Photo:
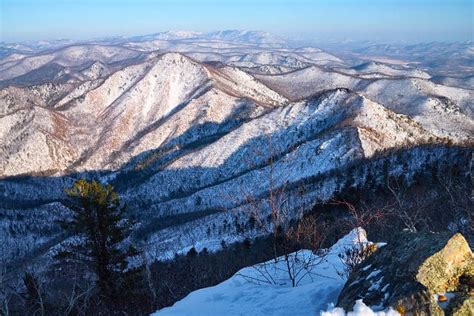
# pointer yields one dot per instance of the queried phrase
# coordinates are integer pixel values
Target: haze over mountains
(185, 123)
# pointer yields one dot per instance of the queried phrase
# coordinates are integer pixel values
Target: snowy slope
(340, 120)
(133, 110)
(389, 70)
(246, 293)
(444, 111)
(268, 58)
(451, 59)
(461, 82)
(69, 56)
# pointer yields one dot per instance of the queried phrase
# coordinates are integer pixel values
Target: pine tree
(101, 227)
(192, 253)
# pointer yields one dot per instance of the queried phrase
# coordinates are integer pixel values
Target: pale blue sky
(384, 20)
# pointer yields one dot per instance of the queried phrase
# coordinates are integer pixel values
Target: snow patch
(239, 296)
(359, 309)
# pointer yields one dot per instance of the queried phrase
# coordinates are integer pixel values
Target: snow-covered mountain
(189, 125)
(55, 61)
(421, 99)
(442, 59)
(257, 37)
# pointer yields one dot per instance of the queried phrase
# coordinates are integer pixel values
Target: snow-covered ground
(359, 309)
(248, 292)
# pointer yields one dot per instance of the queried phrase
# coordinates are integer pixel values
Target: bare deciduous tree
(411, 217)
(294, 237)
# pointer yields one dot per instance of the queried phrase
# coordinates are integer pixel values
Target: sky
(378, 20)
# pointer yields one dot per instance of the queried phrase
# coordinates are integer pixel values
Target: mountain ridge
(187, 130)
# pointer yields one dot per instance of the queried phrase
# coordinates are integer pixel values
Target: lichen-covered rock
(441, 271)
(462, 306)
(408, 273)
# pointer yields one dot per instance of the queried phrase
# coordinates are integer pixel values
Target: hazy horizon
(382, 21)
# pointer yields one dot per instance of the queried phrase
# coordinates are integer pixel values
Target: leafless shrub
(294, 237)
(410, 216)
(78, 300)
(359, 218)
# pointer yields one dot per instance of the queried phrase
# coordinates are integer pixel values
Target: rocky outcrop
(418, 274)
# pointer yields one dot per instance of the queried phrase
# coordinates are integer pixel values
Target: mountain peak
(175, 57)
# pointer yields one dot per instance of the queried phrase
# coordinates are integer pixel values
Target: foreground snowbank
(242, 295)
(360, 309)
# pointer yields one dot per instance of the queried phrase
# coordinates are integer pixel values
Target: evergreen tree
(192, 253)
(101, 227)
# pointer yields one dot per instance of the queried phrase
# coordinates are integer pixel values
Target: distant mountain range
(185, 123)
